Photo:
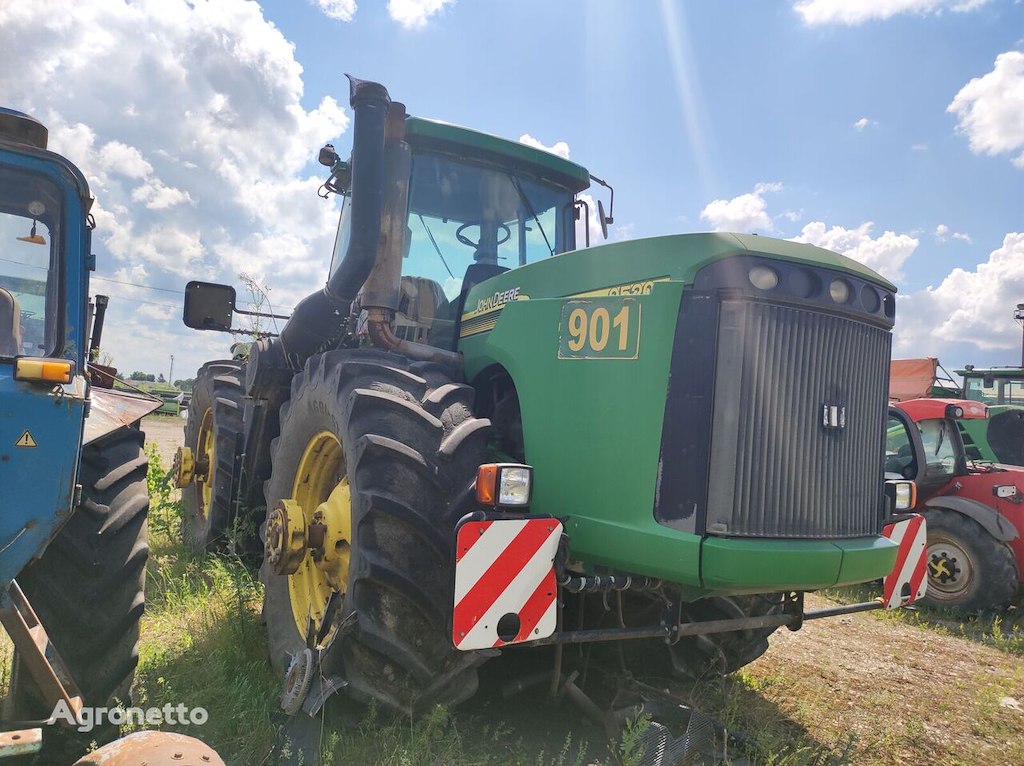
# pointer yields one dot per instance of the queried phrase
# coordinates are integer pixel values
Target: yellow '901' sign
(600, 328)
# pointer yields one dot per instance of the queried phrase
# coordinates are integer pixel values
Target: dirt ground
(897, 692)
(166, 432)
(836, 675)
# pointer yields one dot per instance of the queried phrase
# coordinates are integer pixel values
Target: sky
(888, 130)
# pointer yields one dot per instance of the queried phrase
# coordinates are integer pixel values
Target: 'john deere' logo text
(497, 300)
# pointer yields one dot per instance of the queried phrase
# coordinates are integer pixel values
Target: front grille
(776, 470)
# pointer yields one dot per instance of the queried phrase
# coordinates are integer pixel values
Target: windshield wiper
(529, 209)
(434, 243)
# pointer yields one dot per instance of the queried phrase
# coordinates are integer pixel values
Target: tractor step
(39, 655)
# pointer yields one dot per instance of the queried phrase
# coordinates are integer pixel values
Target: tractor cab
(1001, 439)
(44, 243)
(474, 206)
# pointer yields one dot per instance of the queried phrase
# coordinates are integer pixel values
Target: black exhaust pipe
(319, 318)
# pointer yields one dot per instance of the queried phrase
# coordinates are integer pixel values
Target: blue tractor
(73, 494)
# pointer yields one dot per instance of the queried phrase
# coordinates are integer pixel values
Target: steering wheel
(502, 228)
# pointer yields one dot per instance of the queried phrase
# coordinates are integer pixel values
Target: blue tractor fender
(990, 520)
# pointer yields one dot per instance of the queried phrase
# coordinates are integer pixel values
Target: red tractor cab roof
(931, 409)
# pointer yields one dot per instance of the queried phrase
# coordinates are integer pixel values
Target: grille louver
(776, 469)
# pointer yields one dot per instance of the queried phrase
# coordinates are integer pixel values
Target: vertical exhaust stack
(319, 317)
(382, 289)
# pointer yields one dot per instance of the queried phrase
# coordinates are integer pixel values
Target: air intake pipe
(318, 319)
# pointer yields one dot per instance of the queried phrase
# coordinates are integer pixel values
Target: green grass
(203, 644)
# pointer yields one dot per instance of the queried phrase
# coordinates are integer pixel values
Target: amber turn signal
(40, 370)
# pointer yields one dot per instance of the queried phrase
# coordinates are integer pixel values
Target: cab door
(44, 241)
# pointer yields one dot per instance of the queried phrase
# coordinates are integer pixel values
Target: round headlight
(869, 299)
(839, 290)
(763, 277)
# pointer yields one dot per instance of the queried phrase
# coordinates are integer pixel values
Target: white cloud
(919, 147)
(853, 12)
(414, 14)
(990, 109)
(157, 196)
(560, 147)
(187, 119)
(743, 213)
(968, 306)
(623, 232)
(592, 226)
(943, 233)
(885, 254)
(128, 161)
(342, 10)
(862, 123)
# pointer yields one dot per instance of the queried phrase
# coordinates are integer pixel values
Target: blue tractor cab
(73, 494)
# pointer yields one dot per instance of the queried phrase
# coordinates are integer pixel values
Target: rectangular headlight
(903, 494)
(504, 485)
(906, 496)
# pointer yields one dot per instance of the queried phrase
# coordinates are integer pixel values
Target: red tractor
(974, 509)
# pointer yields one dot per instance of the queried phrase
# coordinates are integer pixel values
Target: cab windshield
(1002, 390)
(461, 213)
(30, 212)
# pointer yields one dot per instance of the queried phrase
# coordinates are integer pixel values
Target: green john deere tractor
(999, 439)
(478, 416)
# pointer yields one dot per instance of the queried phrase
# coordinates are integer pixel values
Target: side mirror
(208, 306)
(602, 218)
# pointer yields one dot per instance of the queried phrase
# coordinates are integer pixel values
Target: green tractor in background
(477, 418)
(1001, 438)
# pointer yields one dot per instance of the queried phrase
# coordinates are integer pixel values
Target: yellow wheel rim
(204, 454)
(321, 489)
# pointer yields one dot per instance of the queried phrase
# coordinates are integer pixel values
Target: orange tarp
(911, 378)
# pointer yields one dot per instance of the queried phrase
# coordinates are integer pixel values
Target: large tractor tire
(698, 658)
(387, 450)
(88, 587)
(967, 568)
(211, 433)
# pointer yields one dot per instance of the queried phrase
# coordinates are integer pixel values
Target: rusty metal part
(316, 533)
(296, 681)
(576, 695)
(183, 469)
(286, 537)
(22, 742)
(153, 748)
(110, 410)
(36, 653)
(378, 326)
(201, 467)
(101, 376)
(382, 288)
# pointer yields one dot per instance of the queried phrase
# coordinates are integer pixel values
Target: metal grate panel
(777, 469)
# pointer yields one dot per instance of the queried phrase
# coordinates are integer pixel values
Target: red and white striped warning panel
(907, 582)
(505, 589)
